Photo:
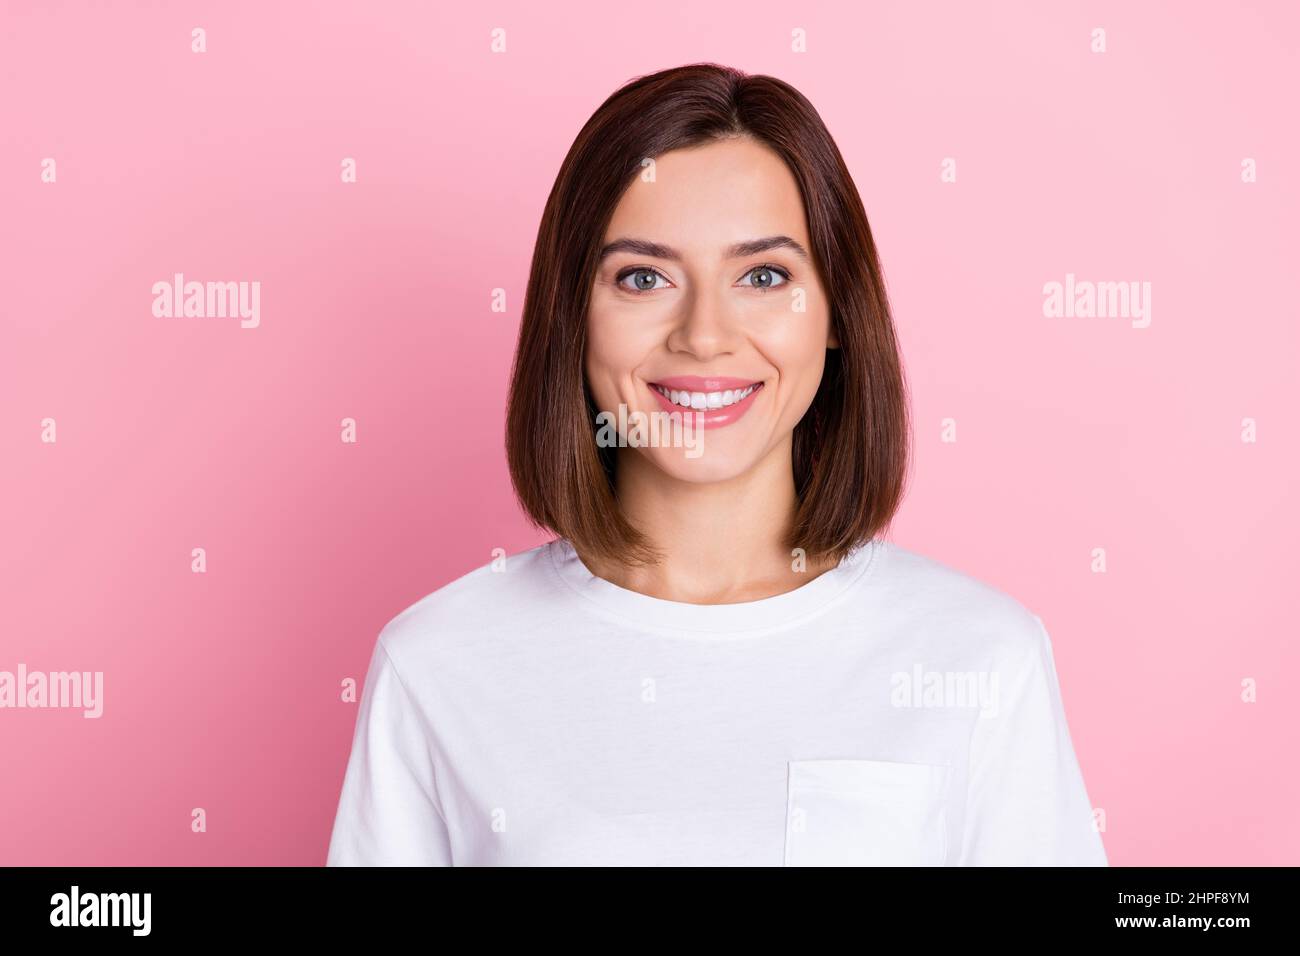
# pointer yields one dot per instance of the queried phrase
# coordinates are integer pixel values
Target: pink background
(222, 689)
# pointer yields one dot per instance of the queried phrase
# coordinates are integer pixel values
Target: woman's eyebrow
(656, 250)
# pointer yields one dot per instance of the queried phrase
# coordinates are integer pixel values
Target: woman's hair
(850, 448)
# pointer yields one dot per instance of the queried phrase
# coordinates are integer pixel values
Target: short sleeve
(389, 812)
(1026, 803)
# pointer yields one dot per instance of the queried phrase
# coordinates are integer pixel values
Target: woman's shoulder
(944, 599)
(501, 593)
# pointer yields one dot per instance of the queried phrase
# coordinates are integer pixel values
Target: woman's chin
(682, 464)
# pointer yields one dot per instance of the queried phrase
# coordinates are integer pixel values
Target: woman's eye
(766, 277)
(643, 280)
(648, 280)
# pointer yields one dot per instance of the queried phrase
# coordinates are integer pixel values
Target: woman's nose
(706, 326)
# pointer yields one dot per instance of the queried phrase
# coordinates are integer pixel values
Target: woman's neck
(722, 542)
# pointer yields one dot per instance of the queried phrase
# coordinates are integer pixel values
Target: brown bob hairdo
(850, 448)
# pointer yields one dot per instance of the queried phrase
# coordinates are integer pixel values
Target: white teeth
(704, 400)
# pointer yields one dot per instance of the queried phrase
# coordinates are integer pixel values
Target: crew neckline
(702, 620)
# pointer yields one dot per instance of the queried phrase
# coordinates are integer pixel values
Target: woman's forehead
(705, 198)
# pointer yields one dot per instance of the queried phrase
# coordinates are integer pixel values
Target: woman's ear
(831, 341)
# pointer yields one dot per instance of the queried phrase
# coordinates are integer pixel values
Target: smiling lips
(720, 400)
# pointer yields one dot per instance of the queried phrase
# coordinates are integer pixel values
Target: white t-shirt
(892, 711)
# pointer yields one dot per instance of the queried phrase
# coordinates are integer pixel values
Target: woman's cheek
(615, 348)
(794, 342)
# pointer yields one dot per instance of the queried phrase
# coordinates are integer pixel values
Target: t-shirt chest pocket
(866, 813)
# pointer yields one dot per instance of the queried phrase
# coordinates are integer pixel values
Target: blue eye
(645, 280)
(765, 277)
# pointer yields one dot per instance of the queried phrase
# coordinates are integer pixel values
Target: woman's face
(707, 301)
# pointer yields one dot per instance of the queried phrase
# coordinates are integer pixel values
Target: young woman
(719, 659)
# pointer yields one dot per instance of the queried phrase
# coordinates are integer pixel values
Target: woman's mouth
(721, 401)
